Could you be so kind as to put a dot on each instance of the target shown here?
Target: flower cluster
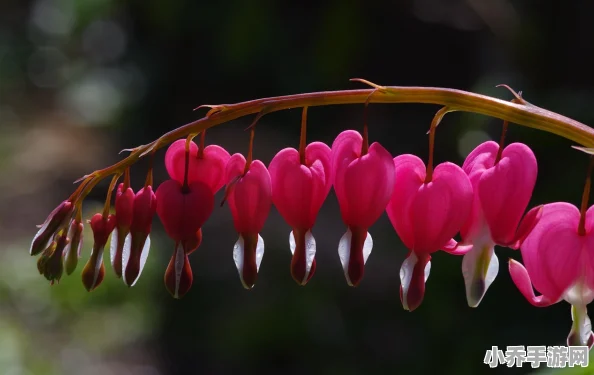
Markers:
(484, 201)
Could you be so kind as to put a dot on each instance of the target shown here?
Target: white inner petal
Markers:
(238, 255)
(579, 294)
(113, 245)
(143, 257)
(344, 251)
(472, 271)
(259, 252)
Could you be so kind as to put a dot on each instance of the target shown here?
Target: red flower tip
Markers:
(303, 263)
(94, 271)
(178, 276)
(56, 219)
(413, 275)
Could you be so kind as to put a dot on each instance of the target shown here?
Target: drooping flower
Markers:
(502, 190)
(94, 271)
(426, 215)
(298, 192)
(182, 210)
(250, 198)
(559, 263)
(124, 208)
(138, 241)
(363, 183)
(58, 218)
(205, 165)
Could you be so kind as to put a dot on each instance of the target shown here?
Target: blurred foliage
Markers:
(81, 80)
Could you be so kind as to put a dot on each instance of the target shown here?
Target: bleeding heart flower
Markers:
(502, 190)
(124, 208)
(205, 165)
(298, 192)
(363, 185)
(182, 210)
(560, 265)
(94, 271)
(138, 242)
(208, 168)
(250, 198)
(426, 215)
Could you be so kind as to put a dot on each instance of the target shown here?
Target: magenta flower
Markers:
(250, 198)
(426, 215)
(502, 190)
(124, 208)
(94, 271)
(207, 167)
(363, 183)
(138, 241)
(298, 192)
(182, 210)
(559, 264)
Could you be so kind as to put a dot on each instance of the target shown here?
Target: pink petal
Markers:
(409, 176)
(363, 184)
(552, 251)
(440, 208)
(145, 207)
(175, 159)
(526, 226)
(481, 158)
(298, 191)
(209, 170)
(250, 195)
(522, 280)
(124, 206)
(506, 189)
(456, 248)
(589, 248)
(183, 213)
(475, 225)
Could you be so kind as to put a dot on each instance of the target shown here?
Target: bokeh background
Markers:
(82, 79)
